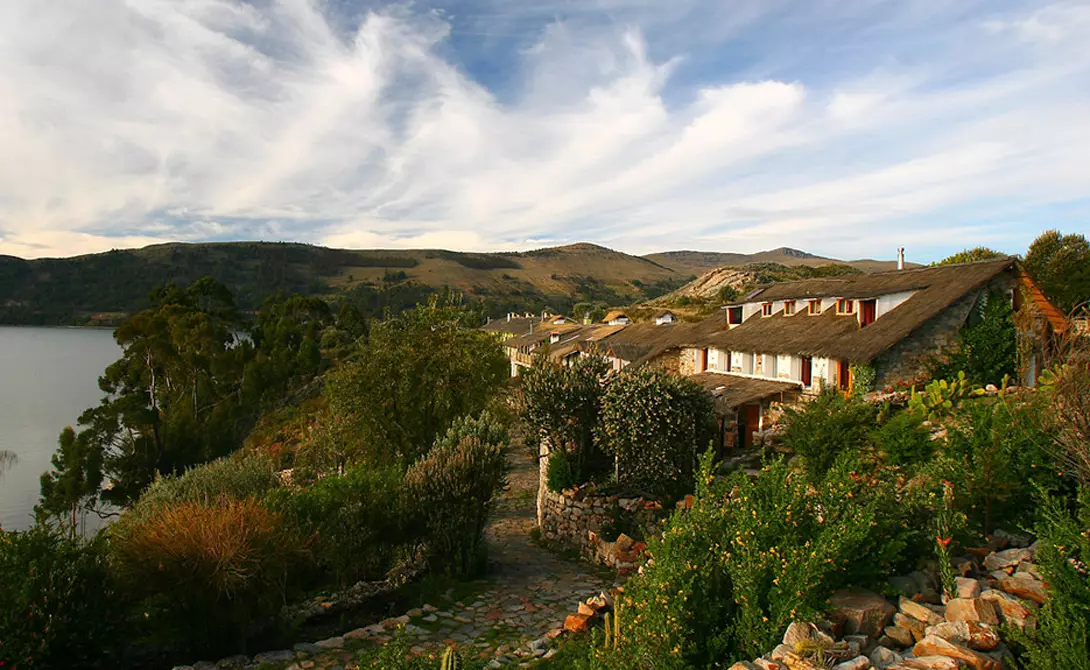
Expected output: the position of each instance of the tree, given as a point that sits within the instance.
(987, 347)
(971, 256)
(1060, 264)
(416, 374)
(74, 482)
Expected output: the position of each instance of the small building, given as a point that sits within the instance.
(664, 318)
(616, 318)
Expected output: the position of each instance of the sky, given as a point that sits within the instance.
(846, 128)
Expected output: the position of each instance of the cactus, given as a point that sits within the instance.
(617, 622)
(450, 660)
(941, 396)
(608, 626)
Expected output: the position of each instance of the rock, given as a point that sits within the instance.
(967, 588)
(743, 665)
(1012, 610)
(624, 542)
(1005, 560)
(857, 663)
(311, 649)
(802, 632)
(331, 643)
(576, 623)
(936, 646)
(1025, 585)
(919, 612)
(795, 662)
(906, 585)
(884, 657)
(914, 626)
(204, 665)
(928, 663)
(861, 612)
(237, 661)
(781, 651)
(1013, 540)
(765, 664)
(977, 636)
(971, 609)
(281, 656)
(587, 610)
(903, 637)
(1031, 568)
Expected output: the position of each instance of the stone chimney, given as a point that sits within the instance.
(901, 258)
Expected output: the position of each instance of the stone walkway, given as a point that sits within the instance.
(510, 616)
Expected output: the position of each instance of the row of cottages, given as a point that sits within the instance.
(787, 340)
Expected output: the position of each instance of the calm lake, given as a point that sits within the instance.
(48, 376)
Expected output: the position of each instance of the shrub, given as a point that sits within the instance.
(904, 440)
(987, 348)
(207, 569)
(58, 604)
(451, 491)
(828, 426)
(353, 522)
(562, 404)
(237, 477)
(751, 556)
(559, 476)
(654, 425)
(1062, 638)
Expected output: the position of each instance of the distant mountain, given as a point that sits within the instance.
(698, 262)
(102, 288)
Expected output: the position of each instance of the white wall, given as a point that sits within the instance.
(823, 370)
(892, 301)
(789, 367)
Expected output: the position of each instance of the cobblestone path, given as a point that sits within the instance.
(506, 617)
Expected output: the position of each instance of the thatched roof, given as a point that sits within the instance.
(519, 325)
(615, 314)
(731, 391)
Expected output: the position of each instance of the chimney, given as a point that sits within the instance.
(901, 258)
(509, 317)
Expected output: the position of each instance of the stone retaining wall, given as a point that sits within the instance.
(576, 518)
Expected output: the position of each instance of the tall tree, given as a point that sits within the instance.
(73, 484)
(1060, 264)
(971, 256)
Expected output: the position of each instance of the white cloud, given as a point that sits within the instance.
(124, 123)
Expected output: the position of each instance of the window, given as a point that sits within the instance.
(814, 308)
(734, 316)
(788, 307)
(766, 309)
(844, 306)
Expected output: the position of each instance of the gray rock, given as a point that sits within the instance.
(307, 648)
(331, 643)
(237, 661)
(280, 656)
(857, 663)
(1003, 560)
(882, 658)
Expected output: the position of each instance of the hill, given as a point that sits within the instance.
(698, 262)
(102, 288)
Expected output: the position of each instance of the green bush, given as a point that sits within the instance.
(830, 425)
(559, 475)
(237, 477)
(654, 425)
(987, 348)
(451, 492)
(206, 572)
(58, 604)
(751, 556)
(1062, 638)
(904, 440)
(352, 522)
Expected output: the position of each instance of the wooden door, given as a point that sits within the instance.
(703, 360)
(844, 375)
(807, 371)
(868, 312)
(749, 422)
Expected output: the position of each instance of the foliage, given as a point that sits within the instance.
(826, 427)
(561, 404)
(1060, 264)
(654, 425)
(904, 440)
(1063, 415)
(948, 521)
(397, 654)
(58, 603)
(987, 347)
(941, 397)
(238, 477)
(559, 475)
(863, 377)
(971, 256)
(211, 569)
(994, 457)
(752, 555)
(74, 482)
(352, 522)
(416, 374)
(1062, 638)
(451, 491)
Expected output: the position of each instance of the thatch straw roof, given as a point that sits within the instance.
(731, 391)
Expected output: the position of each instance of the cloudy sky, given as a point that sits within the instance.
(843, 127)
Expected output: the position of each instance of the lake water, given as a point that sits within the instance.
(48, 376)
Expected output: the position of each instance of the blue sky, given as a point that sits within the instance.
(843, 127)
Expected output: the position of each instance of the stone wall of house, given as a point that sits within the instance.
(577, 517)
(907, 360)
(687, 361)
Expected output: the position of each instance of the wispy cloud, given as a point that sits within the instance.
(843, 127)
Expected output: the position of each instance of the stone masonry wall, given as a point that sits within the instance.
(576, 518)
(907, 360)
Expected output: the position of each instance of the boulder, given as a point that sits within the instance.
(331, 643)
(270, 657)
(919, 612)
(1025, 585)
(936, 646)
(977, 636)
(967, 587)
(1013, 540)
(803, 632)
(1008, 559)
(971, 609)
(795, 662)
(861, 612)
(915, 627)
(906, 585)
(576, 623)
(928, 663)
(766, 664)
(1011, 610)
(903, 637)
(743, 665)
(884, 657)
(857, 663)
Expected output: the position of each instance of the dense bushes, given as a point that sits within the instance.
(58, 602)
(238, 477)
(210, 569)
(826, 427)
(451, 492)
(655, 425)
(904, 440)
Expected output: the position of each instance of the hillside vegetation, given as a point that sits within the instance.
(698, 262)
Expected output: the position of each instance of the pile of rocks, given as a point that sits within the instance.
(923, 630)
